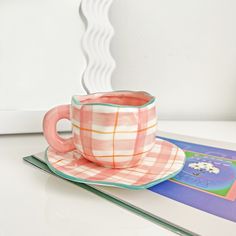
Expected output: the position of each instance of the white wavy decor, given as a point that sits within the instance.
(96, 45)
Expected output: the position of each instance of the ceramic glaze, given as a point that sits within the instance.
(112, 129)
(163, 162)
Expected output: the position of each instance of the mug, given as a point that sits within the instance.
(112, 129)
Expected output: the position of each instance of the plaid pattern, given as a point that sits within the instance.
(164, 160)
(115, 137)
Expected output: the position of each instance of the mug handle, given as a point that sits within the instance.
(50, 129)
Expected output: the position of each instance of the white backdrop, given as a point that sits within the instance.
(41, 60)
(182, 51)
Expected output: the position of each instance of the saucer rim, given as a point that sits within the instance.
(112, 184)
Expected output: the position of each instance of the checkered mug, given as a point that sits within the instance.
(112, 129)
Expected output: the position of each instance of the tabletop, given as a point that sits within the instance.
(35, 203)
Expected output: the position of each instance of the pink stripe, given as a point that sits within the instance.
(105, 173)
(77, 140)
(86, 114)
(140, 138)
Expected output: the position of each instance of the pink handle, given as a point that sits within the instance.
(50, 129)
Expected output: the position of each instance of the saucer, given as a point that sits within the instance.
(164, 161)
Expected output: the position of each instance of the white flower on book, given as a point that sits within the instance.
(204, 166)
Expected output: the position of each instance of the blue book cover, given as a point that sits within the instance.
(207, 181)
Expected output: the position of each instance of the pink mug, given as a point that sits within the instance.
(112, 129)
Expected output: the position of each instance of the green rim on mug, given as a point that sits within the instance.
(76, 101)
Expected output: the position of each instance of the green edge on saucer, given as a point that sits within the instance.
(157, 220)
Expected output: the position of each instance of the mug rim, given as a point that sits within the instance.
(77, 101)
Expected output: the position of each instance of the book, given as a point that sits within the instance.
(200, 200)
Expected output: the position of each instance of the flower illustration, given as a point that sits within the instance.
(204, 167)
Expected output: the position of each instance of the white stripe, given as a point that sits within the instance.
(102, 136)
(103, 153)
(124, 152)
(116, 153)
(125, 136)
(156, 148)
(148, 147)
(103, 128)
(117, 159)
(152, 130)
(79, 148)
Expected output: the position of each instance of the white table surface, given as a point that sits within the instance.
(35, 203)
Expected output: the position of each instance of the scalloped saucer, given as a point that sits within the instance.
(164, 161)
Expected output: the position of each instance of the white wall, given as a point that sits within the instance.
(183, 51)
(41, 60)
